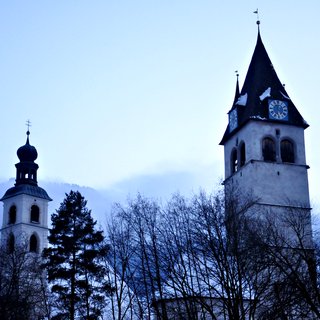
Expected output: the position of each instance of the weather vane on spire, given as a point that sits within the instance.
(257, 13)
(28, 124)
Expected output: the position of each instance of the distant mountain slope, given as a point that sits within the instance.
(98, 202)
(160, 186)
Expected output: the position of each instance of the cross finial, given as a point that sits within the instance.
(28, 124)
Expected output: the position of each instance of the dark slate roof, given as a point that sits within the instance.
(261, 76)
(27, 189)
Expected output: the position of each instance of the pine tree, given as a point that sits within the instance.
(73, 261)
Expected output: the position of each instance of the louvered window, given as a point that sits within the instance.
(268, 149)
(287, 151)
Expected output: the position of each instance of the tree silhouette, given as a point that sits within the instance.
(73, 261)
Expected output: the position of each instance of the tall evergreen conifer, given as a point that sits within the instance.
(73, 261)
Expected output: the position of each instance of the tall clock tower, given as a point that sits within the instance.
(25, 206)
(264, 148)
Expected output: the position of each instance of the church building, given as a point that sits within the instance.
(265, 161)
(264, 147)
(25, 206)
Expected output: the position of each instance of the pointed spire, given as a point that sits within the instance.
(237, 94)
(260, 85)
(262, 82)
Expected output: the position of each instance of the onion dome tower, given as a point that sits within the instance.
(27, 168)
(25, 206)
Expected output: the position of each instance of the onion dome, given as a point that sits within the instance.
(27, 168)
(27, 153)
(26, 175)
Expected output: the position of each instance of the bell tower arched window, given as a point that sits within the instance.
(11, 243)
(287, 151)
(268, 149)
(35, 214)
(242, 154)
(33, 245)
(234, 161)
(12, 214)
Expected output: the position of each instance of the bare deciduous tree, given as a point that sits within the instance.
(293, 254)
(206, 257)
(23, 289)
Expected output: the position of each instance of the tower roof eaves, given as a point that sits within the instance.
(31, 190)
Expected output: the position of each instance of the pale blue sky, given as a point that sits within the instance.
(120, 89)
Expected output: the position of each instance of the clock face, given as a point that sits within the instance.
(278, 110)
(233, 120)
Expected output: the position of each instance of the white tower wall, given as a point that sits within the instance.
(23, 228)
